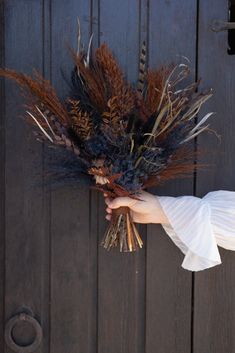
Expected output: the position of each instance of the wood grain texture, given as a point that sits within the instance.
(214, 288)
(2, 177)
(46, 71)
(26, 223)
(73, 229)
(121, 302)
(89, 300)
(172, 34)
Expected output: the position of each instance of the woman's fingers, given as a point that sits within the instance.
(108, 217)
(108, 210)
(121, 201)
(107, 200)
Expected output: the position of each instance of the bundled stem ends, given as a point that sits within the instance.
(122, 232)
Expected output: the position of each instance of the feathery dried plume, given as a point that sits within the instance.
(92, 80)
(142, 70)
(155, 81)
(115, 80)
(38, 89)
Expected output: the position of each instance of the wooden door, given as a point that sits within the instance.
(60, 292)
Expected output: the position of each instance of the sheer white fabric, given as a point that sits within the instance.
(199, 225)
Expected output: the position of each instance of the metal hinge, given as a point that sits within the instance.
(219, 25)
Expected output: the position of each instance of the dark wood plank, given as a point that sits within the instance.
(2, 177)
(121, 304)
(214, 288)
(46, 65)
(99, 301)
(172, 33)
(26, 223)
(74, 260)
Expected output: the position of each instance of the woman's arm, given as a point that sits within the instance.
(196, 225)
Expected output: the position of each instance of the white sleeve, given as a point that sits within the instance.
(222, 203)
(198, 225)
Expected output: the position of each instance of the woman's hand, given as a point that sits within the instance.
(147, 211)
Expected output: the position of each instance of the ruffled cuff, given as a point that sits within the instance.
(191, 230)
(222, 204)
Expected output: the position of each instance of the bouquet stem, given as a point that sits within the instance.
(122, 232)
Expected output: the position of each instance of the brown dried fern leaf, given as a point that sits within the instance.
(81, 121)
(111, 117)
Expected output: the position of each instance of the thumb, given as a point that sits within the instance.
(121, 201)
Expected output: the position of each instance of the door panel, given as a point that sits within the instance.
(214, 289)
(121, 321)
(172, 34)
(53, 269)
(26, 239)
(73, 247)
